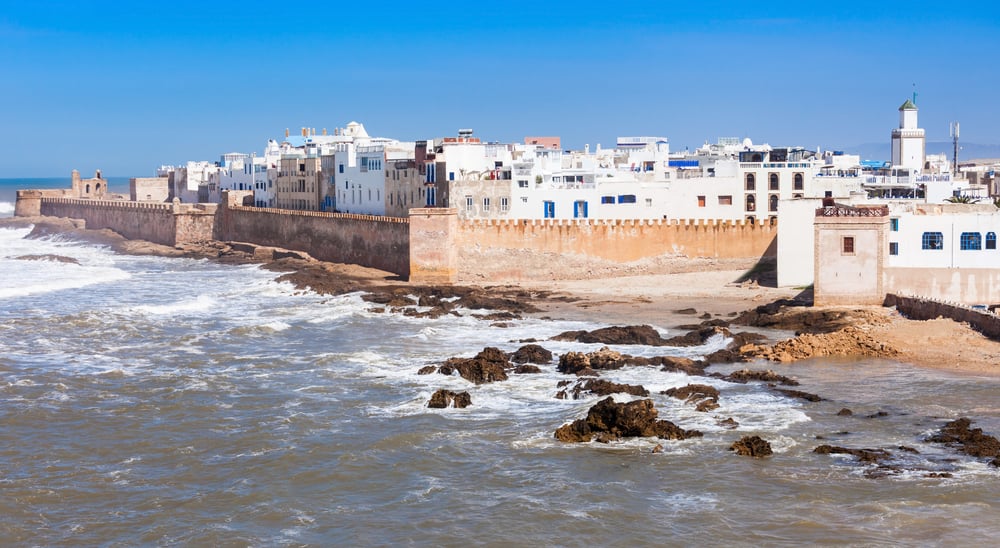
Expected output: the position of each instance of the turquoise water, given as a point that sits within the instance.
(9, 188)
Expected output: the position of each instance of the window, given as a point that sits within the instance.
(649, 202)
(772, 181)
(894, 224)
(522, 183)
(340, 168)
(971, 241)
(607, 199)
(772, 203)
(932, 240)
(991, 240)
(701, 201)
(797, 181)
(549, 209)
(751, 202)
(580, 209)
(847, 245)
(451, 175)
(626, 198)
(893, 248)
(486, 204)
(751, 182)
(725, 200)
(504, 205)
(468, 203)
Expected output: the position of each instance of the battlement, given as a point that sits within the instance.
(323, 214)
(627, 223)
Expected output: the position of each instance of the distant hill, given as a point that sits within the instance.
(968, 151)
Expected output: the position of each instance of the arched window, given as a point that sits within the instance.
(751, 203)
(772, 203)
(772, 181)
(88, 188)
(797, 181)
(991, 240)
(751, 182)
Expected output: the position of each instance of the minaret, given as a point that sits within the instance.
(908, 142)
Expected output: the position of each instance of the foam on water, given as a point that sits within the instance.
(6, 209)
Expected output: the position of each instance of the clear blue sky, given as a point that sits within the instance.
(127, 86)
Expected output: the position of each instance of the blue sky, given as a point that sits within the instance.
(127, 86)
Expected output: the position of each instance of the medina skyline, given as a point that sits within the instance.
(94, 87)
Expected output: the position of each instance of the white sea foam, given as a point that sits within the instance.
(202, 303)
(6, 209)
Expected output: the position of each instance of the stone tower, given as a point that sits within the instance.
(908, 142)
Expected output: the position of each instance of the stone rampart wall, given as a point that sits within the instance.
(366, 240)
(918, 308)
(134, 220)
(963, 285)
(623, 241)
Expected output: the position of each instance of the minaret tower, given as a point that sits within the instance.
(908, 141)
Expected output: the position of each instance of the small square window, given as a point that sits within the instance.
(894, 225)
(893, 248)
(847, 247)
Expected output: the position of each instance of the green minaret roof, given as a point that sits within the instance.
(908, 105)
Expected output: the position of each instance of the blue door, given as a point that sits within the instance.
(580, 209)
(550, 209)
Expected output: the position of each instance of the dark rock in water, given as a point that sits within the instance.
(744, 376)
(728, 422)
(427, 370)
(657, 449)
(908, 449)
(686, 311)
(488, 366)
(799, 394)
(671, 363)
(601, 387)
(632, 334)
(938, 475)
(561, 395)
(445, 398)
(608, 420)
(531, 353)
(971, 441)
(526, 369)
(48, 257)
(845, 412)
(878, 415)
(697, 337)
(725, 356)
(863, 455)
(705, 397)
(575, 363)
(752, 446)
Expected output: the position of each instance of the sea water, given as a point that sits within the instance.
(148, 400)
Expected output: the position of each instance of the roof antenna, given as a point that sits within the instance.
(914, 94)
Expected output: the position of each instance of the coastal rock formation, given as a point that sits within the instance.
(863, 455)
(791, 315)
(426, 370)
(632, 334)
(488, 366)
(850, 341)
(48, 257)
(575, 363)
(609, 421)
(971, 441)
(601, 387)
(703, 396)
(445, 398)
(525, 369)
(744, 376)
(798, 394)
(580, 364)
(697, 337)
(531, 353)
(751, 446)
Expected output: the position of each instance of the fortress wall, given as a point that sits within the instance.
(917, 308)
(134, 220)
(366, 240)
(623, 241)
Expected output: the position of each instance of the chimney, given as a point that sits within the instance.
(286, 132)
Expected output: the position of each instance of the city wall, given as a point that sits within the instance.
(962, 285)
(623, 241)
(366, 240)
(166, 224)
(917, 308)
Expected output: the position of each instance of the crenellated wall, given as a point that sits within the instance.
(166, 224)
(623, 241)
(366, 240)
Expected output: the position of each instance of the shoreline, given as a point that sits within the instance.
(683, 295)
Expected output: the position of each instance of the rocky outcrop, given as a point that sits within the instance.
(798, 394)
(575, 363)
(427, 370)
(744, 376)
(446, 398)
(751, 446)
(48, 257)
(609, 421)
(697, 337)
(531, 353)
(527, 369)
(632, 334)
(703, 396)
(601, 387)
(971, 441)
(850, 341)
(795, 316)
(863, 455)
(488, 366)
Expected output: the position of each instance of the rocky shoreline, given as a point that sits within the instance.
(852, 332)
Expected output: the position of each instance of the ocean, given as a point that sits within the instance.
(151, 401)
(10, 186)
